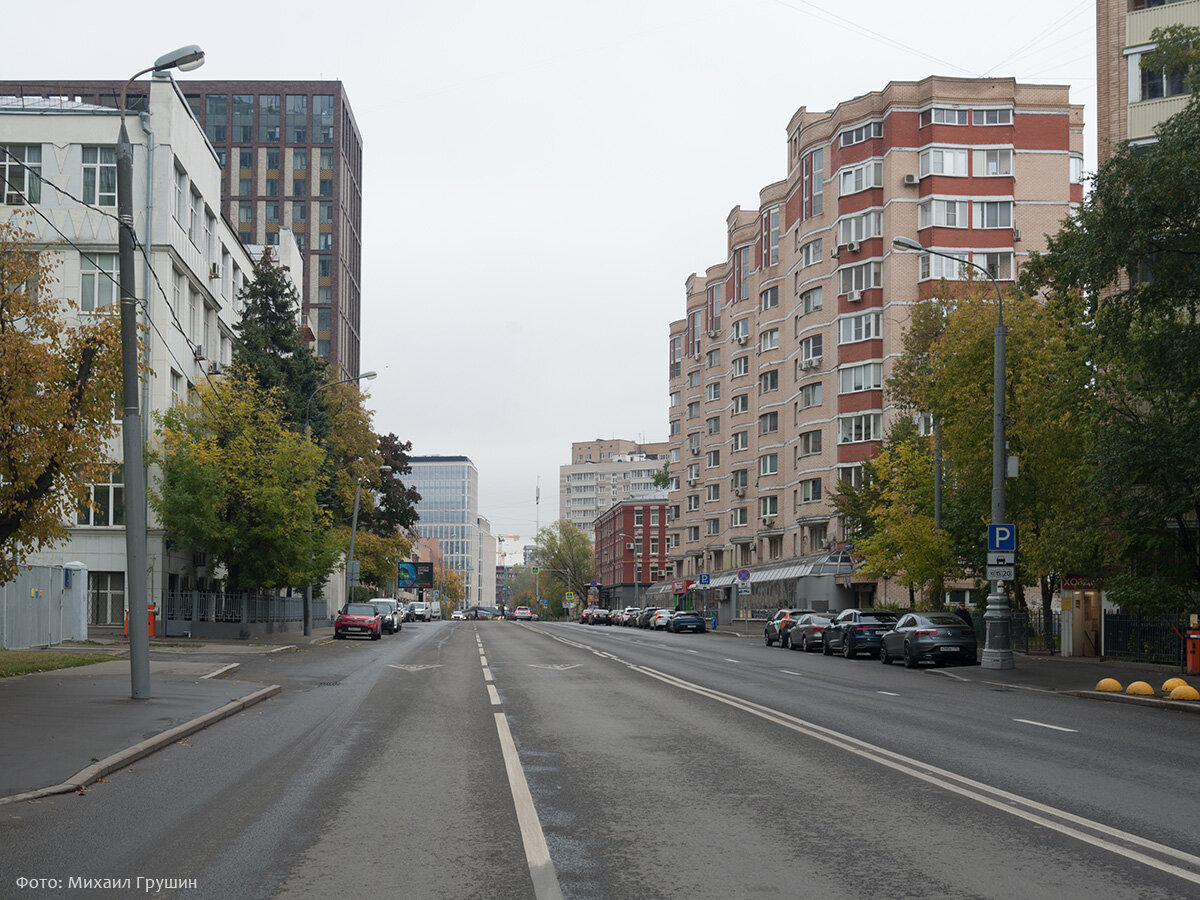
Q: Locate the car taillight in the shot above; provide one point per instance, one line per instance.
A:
(968, 632)
(926, 631)
(817, 628)
(863, 627)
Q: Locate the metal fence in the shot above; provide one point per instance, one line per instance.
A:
(1143, 638)
(1028, 631)
(238, 608)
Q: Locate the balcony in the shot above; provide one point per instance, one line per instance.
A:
(1144, 116)
(1141, 22)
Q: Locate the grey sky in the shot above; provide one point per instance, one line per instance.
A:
(541, 177)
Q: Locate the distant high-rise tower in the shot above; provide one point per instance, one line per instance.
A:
(449, 512)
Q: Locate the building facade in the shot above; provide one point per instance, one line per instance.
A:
(449, 513)
(1130, 102)
(631, 551)
(291, 158)
(778, 367)
(603, 473)
(58, 157)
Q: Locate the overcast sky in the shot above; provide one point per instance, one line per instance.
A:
(541, 176)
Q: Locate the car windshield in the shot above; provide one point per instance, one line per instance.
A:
(360, 609)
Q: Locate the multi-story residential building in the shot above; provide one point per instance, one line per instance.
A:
(1132, 102)
(58, 158)
(449, 512)
(291, 158)
(603, 473)
(778, 368)
(631, 551)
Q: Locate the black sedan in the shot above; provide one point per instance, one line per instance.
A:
(600, 616)
(856, 631)
(809, 632)
(938, 636)
(687, 620)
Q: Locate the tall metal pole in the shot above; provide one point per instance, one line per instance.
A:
(131, 431)
(353, 529)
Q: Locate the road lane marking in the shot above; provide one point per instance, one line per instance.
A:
(415, 668)
(1044, 725)
(482, 660)
(492, 693)
(790, 672)
(487, 674)
(562, 667)
(887, 693)
(537, 854)
(727, 659)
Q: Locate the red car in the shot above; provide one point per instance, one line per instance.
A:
(360, 620)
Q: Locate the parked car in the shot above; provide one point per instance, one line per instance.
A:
(523, 614)
(408, 613)
(358, 620)
(809, 631)
(600, 616)
(421, 611)
(457, 614)
(660, 619)
(628, 615)
(940, 636)
(687, 620)
(585, 615)
(389, 612)
(781, 623)
(855, 631)
(645, 616)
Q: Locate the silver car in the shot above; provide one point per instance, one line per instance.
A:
(389, 612)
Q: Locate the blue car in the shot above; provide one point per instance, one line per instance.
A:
(687, 620)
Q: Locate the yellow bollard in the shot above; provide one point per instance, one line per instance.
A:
(1171, 683)
(1185, 692)
(1140, 689)
(1109, 684)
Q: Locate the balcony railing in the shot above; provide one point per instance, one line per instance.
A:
(1141, 22)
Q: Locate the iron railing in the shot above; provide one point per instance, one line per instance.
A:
(241, 608)
(1144, 638)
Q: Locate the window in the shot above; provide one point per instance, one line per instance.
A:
(272, 211)
(741, 441)
(693, 533)
(810, 443)
(768, 506)
(326, 210)
(100, 176)
(768, 423)
(713, 424)
(693, 409)
(299, 213)
(326, 158)
(864, 377)
(768, 381)
(993, 116)
(940, 115)
(768, 464)
(324, 266)
(858, 428)
(741, 403)
(768, 340)
(999, 265)
(862, 133)
(810, 395)
(297, 119)
(673, 428)
(712, 527)
(324, 241)
(694, 379)
(738, 517)
(818, 182)
(268, 117)
(272, 187)
(810, 490)
(859, 178)
(713, 391)
(862, 327)
(993, 162)
(323, 349)
(811, 301)
(739, 478)
(769, 299)
(741, 329)
(299, 187)
(1076, 169)
(741, 366)
(712, 492)
(940, 267)
(770, 237)
(712, 459)
(810, 253)
(942, 213)
(273, 159)
(741, 272)
(106, 501)
(993, 213)
(245, 158)
(716, 293)
(245, 187)
(852, 475)
(243, 118)
(673, 399)
(326, 190)
(21, 169)
(860, 227)
(713, 358)
(812, 347)
(99, 276)
(859, 278)
(943, 161)
(323, 118)
(1161, 83)
(324, 318)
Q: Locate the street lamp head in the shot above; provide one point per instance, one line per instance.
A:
(367, 375)
(386, 470)
(184, 59)
(906, 243)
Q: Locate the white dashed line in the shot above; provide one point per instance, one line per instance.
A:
(493, 694)
(1051, 727)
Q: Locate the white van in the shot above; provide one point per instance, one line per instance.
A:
(421, 611)
(435, 610)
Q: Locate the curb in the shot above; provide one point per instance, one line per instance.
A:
(1114, 697)
(217, 673)
(132, 754)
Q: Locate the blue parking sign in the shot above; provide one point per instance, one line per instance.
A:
(705, 578)
(1002, 538)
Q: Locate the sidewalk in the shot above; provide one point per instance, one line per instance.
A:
(61, 730)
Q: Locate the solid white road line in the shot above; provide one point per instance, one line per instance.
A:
(887, 693)
(1044, 725)
(727, 659)
(537, 854)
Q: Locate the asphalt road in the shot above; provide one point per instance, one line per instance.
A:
(639, 765)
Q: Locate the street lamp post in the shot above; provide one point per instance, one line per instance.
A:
(307, 430)
(184, 59)
(997, 651)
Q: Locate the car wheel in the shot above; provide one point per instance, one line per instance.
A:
(884, 656)
(910, 660)
(767, 639)
(376, 636)
(847, 650)
(338, 636)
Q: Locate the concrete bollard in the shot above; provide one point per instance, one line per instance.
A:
(1109, 684)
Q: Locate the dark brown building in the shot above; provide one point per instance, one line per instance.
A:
(291, 158)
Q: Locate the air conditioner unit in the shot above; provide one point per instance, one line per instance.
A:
(741, 339)
(739, 492)
(691, 482)
(198, 351)
(695, 451)
(696, 357)
(1016, 234)
(768, 521)
(215, 368)
(214, 270)
(912, 179)
(629, 546)
(811, 363)
(835, 252)
(854, 296)
(854, 246)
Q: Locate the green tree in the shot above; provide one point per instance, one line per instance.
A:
(237, 483)
(395, 508)
(568, 562)
(1127, 264)
(60, 387)
(662, 477)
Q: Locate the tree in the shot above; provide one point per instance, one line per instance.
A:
(60, 388)
(396, 505)
(568, 561)
(448, 586)
(662, 477)
(237, 483)
(1127, 264)
(269, 343)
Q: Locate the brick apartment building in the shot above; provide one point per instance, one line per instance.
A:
(777, 368)
(602, 473)
(631, 552)
(291, 158)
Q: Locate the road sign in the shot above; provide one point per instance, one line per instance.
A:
(743, 575)
(535, 569)
(1002, 559)
(743, 588)
(1002, 538)
(705, 579)
(593, 584)
(1001, 573)
(570, 596)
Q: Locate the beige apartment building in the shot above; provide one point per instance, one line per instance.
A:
(777, 369)
(603, 473)
(1132, 102)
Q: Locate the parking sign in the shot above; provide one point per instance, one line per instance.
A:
(1002, 538)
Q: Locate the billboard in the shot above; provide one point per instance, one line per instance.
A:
(414, 575)
(424, 574)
